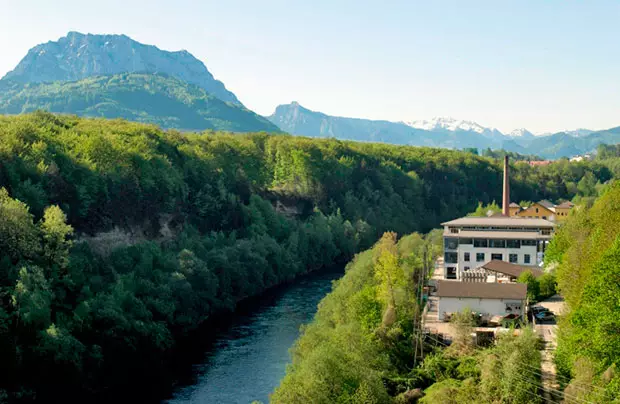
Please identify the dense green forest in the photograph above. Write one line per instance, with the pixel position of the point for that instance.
(364, 345)
(117, 238)
(586, 253)
(142, 97)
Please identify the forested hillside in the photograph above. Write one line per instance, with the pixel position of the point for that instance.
(141, 97)
(586, 251)
(364, 345)
(117, 238)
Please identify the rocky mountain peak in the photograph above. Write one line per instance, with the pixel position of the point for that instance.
(77, 56)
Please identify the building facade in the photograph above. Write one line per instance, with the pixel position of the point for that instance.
(537, 210)
(542, 210)
(491, 299)
(470, 242)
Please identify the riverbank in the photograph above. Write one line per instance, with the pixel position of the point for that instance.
(245, 357)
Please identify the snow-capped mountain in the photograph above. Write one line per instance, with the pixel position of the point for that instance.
(452, 125)
(521, 132)
(439, 132)
(449, 124)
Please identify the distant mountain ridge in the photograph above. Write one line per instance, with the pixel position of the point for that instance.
(439, 132)
(78, 56)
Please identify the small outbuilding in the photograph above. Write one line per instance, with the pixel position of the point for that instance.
(502, 271)
(488, 299)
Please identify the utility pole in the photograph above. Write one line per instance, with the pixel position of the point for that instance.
(418, 323)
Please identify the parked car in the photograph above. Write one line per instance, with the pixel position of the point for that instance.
(546, 315)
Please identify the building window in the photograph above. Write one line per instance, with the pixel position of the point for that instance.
(466, 269)
(479, 257)
(498, 257)
(454, 230)
(466, 257)
(451, 257)
(451, 243)
(546, 232)
(530, 243)
(545, 217)
(536, 210)
(526, 259)
(481, 242)
(466, 241)
(497, 243)
(451, 273)
(512, 258)
(513, 243)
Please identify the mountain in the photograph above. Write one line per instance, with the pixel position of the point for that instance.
(78, 56)
(521, 133)
(297, 120)
(579, 132)
(565, 144)
(151, 98)
(453, 125)
(439, 132)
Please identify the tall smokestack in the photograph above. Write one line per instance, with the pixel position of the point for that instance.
(506, 198)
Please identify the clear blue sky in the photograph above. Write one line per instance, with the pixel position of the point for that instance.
(544, 65)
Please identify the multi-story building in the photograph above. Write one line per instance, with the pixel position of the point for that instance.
(471, 242)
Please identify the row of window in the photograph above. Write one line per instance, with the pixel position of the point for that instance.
(452, 257)
(453, 243)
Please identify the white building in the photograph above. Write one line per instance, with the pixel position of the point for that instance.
(470, 242)
(489, 299)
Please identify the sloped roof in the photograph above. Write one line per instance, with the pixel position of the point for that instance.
(566, 205)
(500, 221)
(546, 204)
(507, 268)
(514, 205)
(482, 290)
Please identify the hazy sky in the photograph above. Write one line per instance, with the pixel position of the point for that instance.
(543, 65)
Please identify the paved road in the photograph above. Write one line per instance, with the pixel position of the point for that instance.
(548, 332)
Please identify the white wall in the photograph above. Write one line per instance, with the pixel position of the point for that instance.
(463, 248)
(485, 306)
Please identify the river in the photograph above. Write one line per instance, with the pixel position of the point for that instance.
(247, 358)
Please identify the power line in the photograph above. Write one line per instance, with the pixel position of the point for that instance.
(565, 379)
(552, 390)
(582, 388)
(563, 394)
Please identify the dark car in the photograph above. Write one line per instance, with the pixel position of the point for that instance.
(545, 315)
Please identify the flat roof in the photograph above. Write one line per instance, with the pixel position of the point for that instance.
(500, 221)
(515, 235)
(508, 268)
(482, 290)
